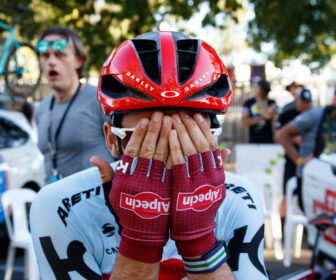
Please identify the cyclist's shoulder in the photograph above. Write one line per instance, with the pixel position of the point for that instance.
(237, 180)
(81, 186)
(241, 193)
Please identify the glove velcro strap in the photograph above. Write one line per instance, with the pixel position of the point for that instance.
(209, 261)
(140, 252)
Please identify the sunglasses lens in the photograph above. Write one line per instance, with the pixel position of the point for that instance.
(42, 46)
(60, 45)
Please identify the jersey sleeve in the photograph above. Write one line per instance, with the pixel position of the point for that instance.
(304, 121)
(62, 248)
(240, 223)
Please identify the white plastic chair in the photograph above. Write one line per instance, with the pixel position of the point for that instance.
(14, 204)
(295, 220)
(271, 196)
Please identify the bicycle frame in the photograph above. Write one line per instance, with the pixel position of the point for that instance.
(6, 47)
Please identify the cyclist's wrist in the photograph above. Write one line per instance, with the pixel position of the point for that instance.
(195, 247)
(148, 253)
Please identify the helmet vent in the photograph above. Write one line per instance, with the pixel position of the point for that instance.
(187, 51)
(149, 56)
(110, 86)
(219, 89)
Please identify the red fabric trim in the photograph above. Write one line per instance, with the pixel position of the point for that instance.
(171, 269)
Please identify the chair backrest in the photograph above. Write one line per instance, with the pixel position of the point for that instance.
(291, 186)
(260, 158)
(14, 202)
(269, 190)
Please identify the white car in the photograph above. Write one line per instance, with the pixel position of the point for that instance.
(21, 162)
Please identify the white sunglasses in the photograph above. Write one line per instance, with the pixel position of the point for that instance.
(121, 132)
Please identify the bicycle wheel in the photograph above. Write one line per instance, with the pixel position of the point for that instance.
(22, 71)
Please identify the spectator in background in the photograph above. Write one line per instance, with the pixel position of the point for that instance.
(293, 88)
(302, 103)
(28, 109)
(305, 125)
(69, 120)
(258, 114)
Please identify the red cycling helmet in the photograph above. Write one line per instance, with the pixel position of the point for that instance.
(160, 70)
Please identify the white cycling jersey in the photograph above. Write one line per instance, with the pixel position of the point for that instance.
(76, 236)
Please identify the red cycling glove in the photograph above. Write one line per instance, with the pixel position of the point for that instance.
(140, 196)
(197, 192)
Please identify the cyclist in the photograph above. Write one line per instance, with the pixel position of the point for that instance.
(162, 90)
(66, 147)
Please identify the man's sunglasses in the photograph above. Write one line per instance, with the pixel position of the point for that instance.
(58, 45)
(123, 132)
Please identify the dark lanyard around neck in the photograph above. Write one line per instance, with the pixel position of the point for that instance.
(53, 146)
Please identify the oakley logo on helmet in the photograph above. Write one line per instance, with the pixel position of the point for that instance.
(199, 200)
(146, 205)
(139, 81)
(170, 94)
(197, 82)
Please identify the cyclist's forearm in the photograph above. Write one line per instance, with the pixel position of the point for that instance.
(222, 273)
(128, 269)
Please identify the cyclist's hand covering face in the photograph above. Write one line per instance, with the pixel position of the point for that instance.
(106, 171)
(197, 184)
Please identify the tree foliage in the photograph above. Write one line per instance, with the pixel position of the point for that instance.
(104, 24)
(298, 29)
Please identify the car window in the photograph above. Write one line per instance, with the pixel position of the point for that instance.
(11, 135)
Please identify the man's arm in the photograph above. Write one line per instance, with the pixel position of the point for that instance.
(126, 269)
(285, 136)
(268, 112)
(192, 136)
(247, 120)
(222, 273)
(139, 253)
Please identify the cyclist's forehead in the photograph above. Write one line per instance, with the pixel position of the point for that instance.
(131, 119)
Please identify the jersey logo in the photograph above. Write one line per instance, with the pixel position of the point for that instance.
(146, 205)
(108, 229)
(122, 166)
(237, 246)
(199, 200)
(74, 262)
